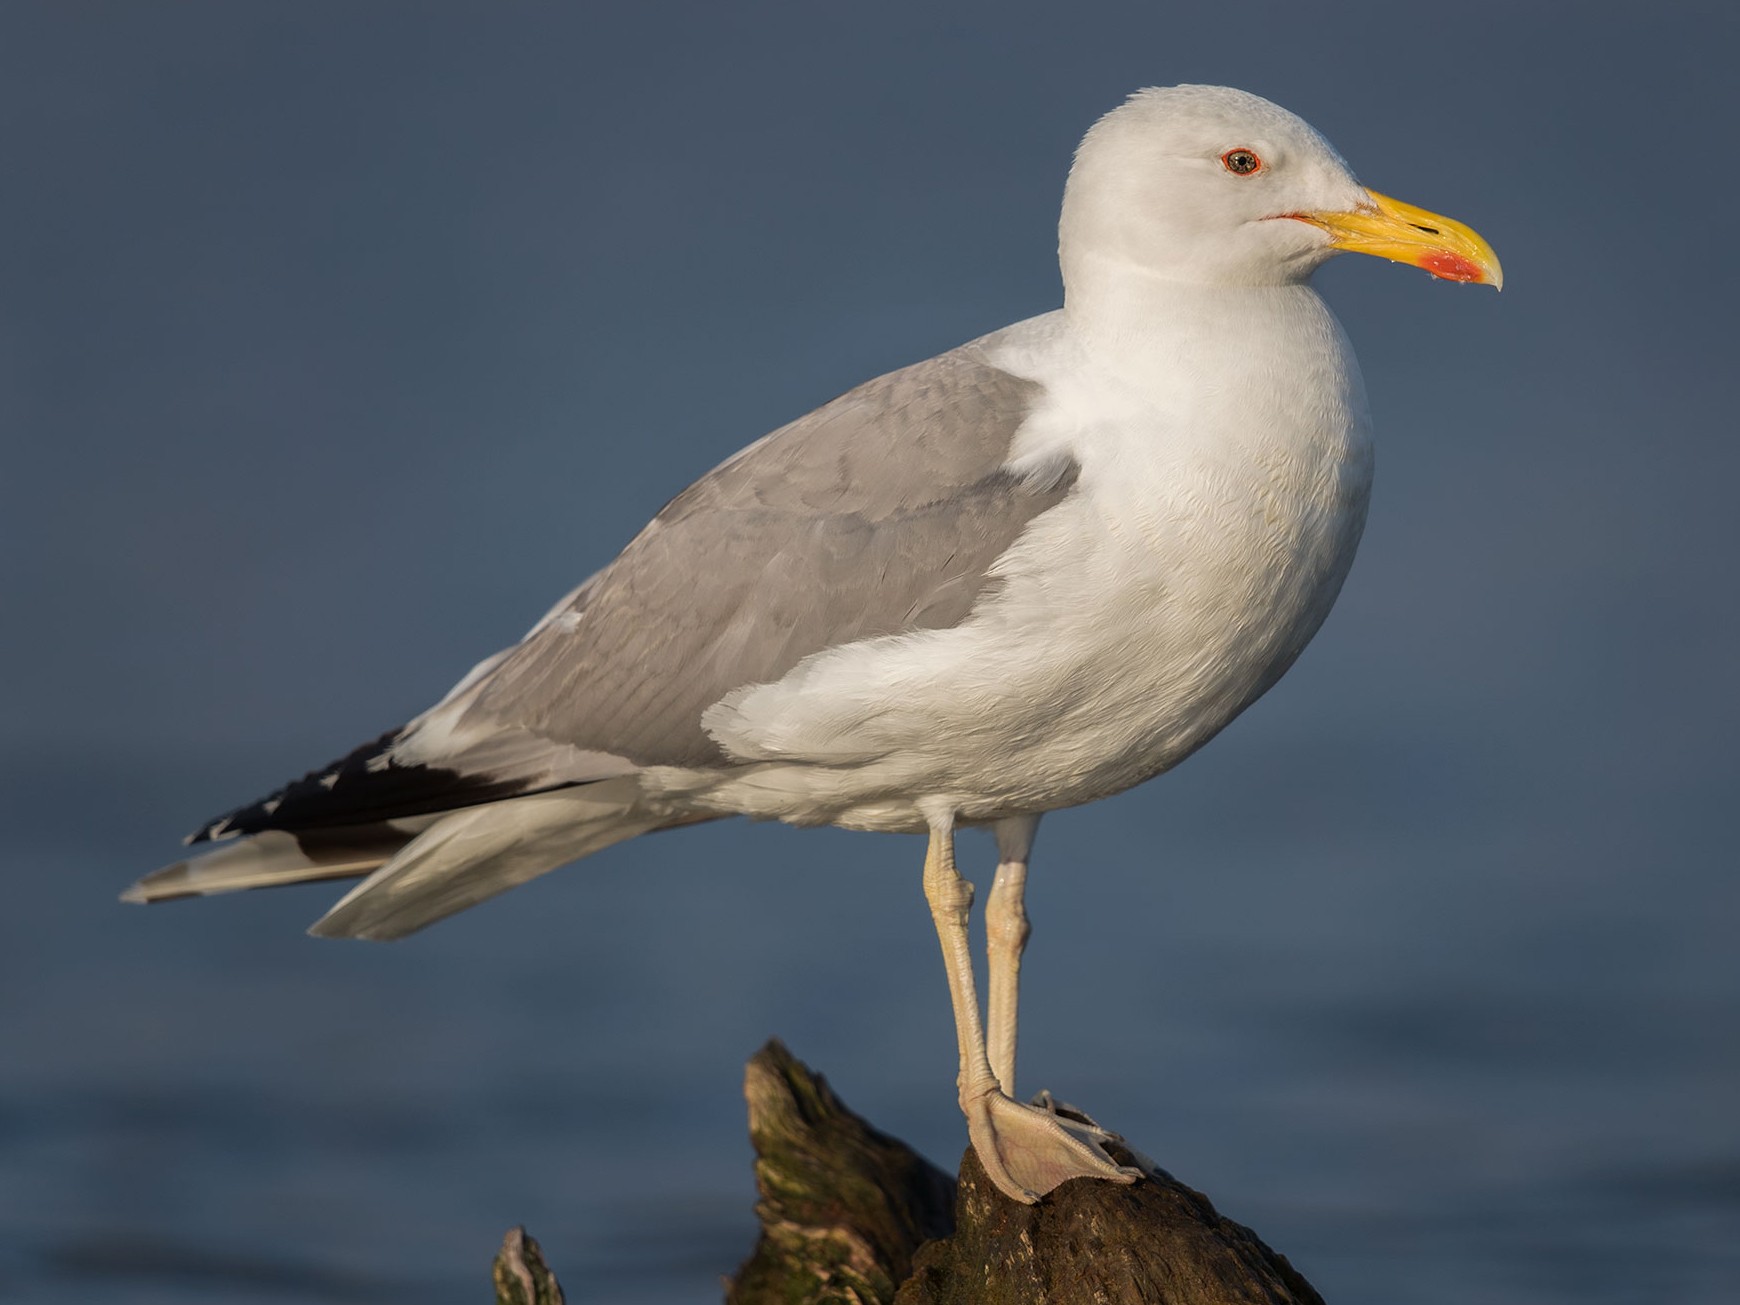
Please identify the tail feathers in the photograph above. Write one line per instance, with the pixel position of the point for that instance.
(475, 853)
(275, 857)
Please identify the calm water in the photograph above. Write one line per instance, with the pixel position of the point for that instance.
(1430, 1065)
(334, 347)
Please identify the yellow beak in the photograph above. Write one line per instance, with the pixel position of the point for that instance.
(1405, 234)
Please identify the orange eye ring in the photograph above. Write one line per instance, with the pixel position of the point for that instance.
(1241, 162)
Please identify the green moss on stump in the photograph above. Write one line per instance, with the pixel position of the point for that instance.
(843, 1206)
(521, 1276)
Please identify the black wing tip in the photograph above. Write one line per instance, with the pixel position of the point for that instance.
(363, 787)
(263, 814)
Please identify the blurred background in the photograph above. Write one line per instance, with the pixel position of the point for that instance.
(339, 340)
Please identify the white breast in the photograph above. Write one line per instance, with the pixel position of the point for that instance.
(1225, 468)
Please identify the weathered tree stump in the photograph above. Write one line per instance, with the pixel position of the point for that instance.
(851, 1216)
(521, 1276)
(1155, 1242)
(842, 1204)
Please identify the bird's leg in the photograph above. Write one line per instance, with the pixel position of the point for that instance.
(951, 900)
(1026, 1152)
(1006, 931)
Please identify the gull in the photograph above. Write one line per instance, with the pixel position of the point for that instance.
(1027, 573)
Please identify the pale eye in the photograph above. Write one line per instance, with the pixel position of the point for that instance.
(1241, 162)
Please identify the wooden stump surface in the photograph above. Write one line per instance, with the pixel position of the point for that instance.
(851, 1216)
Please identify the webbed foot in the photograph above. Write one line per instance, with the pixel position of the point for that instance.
(1029, 1150)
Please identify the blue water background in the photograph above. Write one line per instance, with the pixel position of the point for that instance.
(338, 342)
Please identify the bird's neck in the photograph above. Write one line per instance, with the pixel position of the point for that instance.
(1118, 301)
(1149, 330)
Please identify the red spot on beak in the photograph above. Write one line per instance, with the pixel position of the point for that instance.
(1451, 267)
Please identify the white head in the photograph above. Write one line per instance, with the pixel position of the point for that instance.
(1213, 186)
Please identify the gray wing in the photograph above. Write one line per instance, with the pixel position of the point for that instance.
(878, 513)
